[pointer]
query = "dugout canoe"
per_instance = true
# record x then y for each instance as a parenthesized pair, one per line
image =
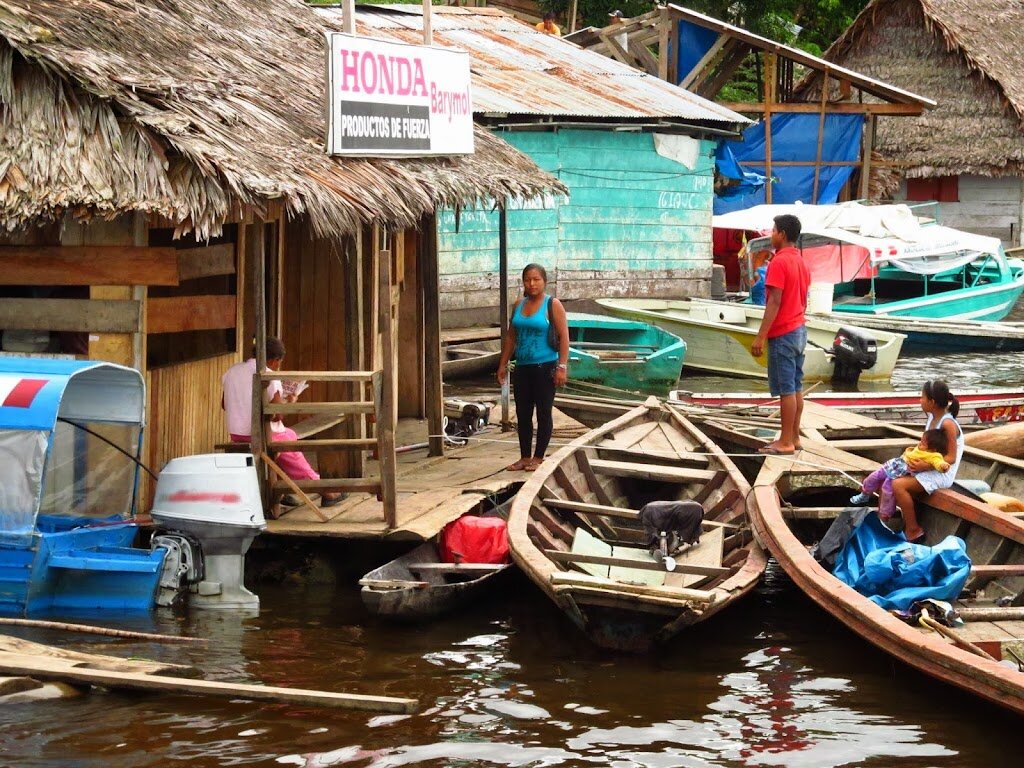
(470, 358)
(796, 500)
(574, 530)
(418, 586)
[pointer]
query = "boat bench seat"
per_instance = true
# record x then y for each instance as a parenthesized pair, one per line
(109, 559)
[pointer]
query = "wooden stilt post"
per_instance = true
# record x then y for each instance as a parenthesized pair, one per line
(388, 408)
(506, 415)
(258, 437)
(821, 137)
(769, 104)
(432, 335)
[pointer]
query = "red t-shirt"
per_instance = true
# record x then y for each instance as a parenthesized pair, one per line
(788, 272)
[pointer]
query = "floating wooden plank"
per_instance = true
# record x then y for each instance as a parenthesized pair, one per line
(22, 647)
(84, 315)
(176, 314)
(645, 565)
(54, 669)
(206, 262)
(678, 593)
(88, 265)
(651, 471)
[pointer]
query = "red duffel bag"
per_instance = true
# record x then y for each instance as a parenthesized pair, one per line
(474, 540)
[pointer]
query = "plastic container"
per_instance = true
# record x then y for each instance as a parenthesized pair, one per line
(819, 298)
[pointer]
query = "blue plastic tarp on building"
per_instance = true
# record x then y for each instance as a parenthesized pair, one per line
(694, 42)
(893, 573)
(794, 139)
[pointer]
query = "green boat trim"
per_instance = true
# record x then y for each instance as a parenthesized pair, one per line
(623, 354)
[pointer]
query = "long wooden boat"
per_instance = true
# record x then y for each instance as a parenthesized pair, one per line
(887, 260)
(574, 529)
(418, 585)
(791, 500)
(977, 406)
(470, 358)
(937, 336)
(623, 354)
(719, 334)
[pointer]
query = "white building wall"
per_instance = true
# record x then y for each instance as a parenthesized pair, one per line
(987, 207)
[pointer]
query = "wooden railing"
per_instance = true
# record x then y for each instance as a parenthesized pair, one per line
(331, 413)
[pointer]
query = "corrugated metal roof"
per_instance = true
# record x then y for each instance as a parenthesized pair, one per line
(518, 70)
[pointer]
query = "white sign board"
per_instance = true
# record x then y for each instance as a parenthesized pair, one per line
(389, 98)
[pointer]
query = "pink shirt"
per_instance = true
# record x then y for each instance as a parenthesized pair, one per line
(237, 383)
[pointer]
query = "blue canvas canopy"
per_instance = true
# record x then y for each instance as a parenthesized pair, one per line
(35, 393)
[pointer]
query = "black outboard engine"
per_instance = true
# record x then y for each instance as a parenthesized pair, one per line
(853, 350)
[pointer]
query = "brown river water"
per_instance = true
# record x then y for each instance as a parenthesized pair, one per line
(773, 681)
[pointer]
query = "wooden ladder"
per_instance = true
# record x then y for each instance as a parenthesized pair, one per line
(373, 402)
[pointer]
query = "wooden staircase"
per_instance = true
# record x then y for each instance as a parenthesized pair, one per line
(373, 402)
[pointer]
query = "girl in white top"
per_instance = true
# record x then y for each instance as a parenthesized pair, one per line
(942, 409)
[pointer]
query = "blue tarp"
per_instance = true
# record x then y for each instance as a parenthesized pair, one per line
(794, 138)
(694, 42)
(893, 573)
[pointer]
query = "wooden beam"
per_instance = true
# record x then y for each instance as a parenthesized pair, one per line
(386, 407)
(431, 292)
(696, 74)
(88, 265)
(769, 104)
(677, 593)
(867, 146)
(642, 565)
(284, 409)
(821, 139)
(832, 107)
(333, 376)
(651, 471)
(49, 669)
(176, 314)
(206, 262)
(664, 43)
(86, 315)
(284, 478)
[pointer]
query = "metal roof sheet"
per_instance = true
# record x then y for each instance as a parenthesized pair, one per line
(518, 70)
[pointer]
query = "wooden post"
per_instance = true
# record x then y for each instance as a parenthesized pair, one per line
(769, 102)
(387, 410)
(865, 168)
(506, 420)
(664, 30)
(428, 32)
(431, 288)
(348, 18)
(821, 136)
(258, 437)
(573, 10)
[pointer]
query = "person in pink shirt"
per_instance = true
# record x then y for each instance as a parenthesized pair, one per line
(784, 328)
(237, 404)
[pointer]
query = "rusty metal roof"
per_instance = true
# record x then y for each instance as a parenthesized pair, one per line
(518, 70)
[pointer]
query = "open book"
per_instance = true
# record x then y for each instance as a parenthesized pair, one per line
(293, 388)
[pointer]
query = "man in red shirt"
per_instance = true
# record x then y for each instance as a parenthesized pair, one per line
(785, 329)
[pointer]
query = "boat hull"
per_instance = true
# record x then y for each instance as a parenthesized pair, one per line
(942, 336)
(719, 336)
(78, 570)
(987, 533)
(573, 532)
(425, 596)
(623, 354)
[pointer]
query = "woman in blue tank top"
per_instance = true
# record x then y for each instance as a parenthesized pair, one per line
(540, 366)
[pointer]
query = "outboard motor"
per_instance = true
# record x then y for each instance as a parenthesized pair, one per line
(854, 350)
(464, 418)
(207, 511)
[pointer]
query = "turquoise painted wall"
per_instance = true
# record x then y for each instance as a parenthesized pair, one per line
(629, 208)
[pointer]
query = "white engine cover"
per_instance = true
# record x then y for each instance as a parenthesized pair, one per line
(214, 488)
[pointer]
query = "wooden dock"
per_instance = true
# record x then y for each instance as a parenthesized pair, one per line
(432, 491)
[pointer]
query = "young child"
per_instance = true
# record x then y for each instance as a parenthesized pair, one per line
(932, 449)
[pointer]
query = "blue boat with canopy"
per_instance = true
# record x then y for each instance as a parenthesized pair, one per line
(70, 438)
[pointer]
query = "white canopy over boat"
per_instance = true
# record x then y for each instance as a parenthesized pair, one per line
(851, 240)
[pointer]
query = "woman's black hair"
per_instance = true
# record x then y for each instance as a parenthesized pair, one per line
(539, 268)
(938, 392)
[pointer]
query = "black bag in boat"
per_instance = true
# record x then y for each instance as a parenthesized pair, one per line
(680, 517)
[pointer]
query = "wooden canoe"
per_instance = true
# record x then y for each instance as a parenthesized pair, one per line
(470, 358)
(977, 406)
(418, 586)
(574, 530)
(791, 500)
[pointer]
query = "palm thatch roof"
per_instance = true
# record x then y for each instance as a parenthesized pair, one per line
(965, 55)
(192, 109)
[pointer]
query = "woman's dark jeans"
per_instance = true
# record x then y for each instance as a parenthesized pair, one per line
(534, 389)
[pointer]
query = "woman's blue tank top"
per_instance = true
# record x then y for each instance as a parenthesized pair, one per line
(532, 347)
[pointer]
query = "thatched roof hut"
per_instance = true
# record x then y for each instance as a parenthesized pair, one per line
(192, 109)
(962, 53)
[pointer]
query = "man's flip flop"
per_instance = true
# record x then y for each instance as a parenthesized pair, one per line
(770, 451)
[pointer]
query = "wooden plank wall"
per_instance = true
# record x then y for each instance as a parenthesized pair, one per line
(184, 410)
(987, 206)
(635, 224)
